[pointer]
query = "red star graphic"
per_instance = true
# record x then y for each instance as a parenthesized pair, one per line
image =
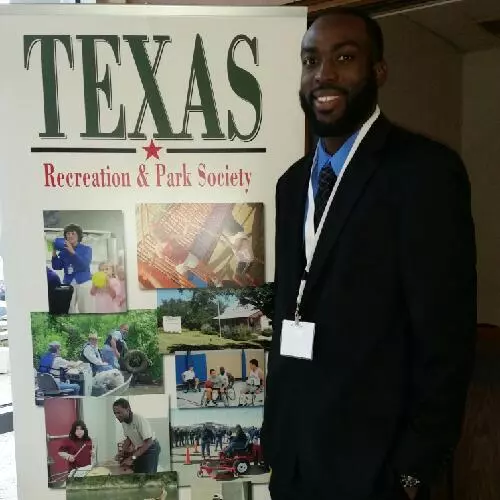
(152, 150)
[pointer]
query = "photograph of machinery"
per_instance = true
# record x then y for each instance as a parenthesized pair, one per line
(96, 355)
(217, 444)
(196, 245)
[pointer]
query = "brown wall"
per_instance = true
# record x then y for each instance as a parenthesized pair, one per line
(481, 153)
(424, 89)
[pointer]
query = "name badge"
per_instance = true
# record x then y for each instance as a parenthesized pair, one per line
(297, 339)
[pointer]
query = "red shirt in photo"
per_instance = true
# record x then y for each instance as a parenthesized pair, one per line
(80, 449)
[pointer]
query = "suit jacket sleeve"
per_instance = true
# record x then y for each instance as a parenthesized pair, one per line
(277, 252)
(276, 324)
(438, 269)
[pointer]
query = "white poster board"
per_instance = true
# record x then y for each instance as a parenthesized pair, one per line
(172, 324)
(105, 107)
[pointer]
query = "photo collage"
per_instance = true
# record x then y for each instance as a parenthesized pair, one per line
(141, 402)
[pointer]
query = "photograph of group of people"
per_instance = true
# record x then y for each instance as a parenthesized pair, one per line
(109, 436)
(224, 378)
(85, 261)
(96, 355)
(95, 359)
(210, 445)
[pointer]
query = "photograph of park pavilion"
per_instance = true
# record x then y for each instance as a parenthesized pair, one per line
(197, 245)
(215, 318)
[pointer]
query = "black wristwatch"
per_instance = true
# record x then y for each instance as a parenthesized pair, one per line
(408, 481)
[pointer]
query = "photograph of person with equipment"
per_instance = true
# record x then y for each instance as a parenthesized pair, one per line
(89, 437)
(85, 261)
(96, 355)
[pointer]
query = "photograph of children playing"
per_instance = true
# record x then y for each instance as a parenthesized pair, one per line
(105, 436)
(85, 261)
(218, 444)
(220, 378)
(96, 355)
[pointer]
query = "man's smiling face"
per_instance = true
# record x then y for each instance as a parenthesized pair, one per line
(339, 83)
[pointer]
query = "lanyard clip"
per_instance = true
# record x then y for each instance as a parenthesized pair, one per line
(297, 317)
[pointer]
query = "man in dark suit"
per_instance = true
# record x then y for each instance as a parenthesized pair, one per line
(388, 307)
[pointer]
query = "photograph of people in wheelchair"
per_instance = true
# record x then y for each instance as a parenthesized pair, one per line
(220, 378)
(220, 445)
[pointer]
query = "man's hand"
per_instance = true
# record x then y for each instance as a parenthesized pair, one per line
(69, 247)
(127, 462)
(71, 458)
(411, 492)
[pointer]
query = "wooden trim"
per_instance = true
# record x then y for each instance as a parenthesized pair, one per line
(328, 4)
(369, 6)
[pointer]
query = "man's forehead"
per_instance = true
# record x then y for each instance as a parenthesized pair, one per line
(335, 29)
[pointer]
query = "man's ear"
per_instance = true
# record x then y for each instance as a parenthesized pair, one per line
(381, 71)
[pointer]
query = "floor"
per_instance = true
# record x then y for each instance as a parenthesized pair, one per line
(8, 483)
(5, 391)
(193, 399)
(8, 480)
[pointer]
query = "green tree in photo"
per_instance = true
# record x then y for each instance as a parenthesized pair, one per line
(195, 312)
(262, 298)
(72, 332)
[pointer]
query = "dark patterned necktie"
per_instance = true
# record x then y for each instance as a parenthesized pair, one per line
(326, 182)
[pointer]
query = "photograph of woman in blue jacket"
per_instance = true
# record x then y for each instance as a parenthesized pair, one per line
(72, 256)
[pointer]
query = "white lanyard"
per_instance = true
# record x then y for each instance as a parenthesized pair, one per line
(311, 236)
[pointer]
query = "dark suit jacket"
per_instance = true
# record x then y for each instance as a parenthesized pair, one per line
(392, 291)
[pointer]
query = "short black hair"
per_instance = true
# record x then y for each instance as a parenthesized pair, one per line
(254, 362)
(372, 27)
(123, 403)
(74, 228)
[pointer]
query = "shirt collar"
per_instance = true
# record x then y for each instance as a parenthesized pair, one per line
(338, 159)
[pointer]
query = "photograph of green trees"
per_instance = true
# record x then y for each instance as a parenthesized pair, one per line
(214, 318)
(96, 355)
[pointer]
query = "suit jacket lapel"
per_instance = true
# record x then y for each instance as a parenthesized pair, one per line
(357, 174)
(296, 214)
(290, 245)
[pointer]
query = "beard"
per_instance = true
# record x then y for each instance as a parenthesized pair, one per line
(360, 103)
